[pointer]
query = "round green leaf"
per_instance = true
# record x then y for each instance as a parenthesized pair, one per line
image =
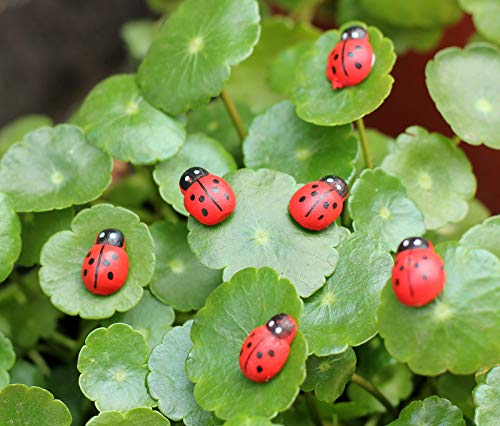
(261, 232)
(138, 36)
(63, 170)
(199, 150)
(487, 399)
(232, 311)
(342, 312)
(192, 55)
(436, 173)
(15, 130)
(280, 140)
(327, 376)
(485, 236)
(431, 339)
(458, 390)
(26, 373)
(63, 254)
(432, 411)
(140, 416)
(10, 236)
(116, 118)
(180, 280)
(7, 359)
(378, 206)
(243, 420)
(380, 145)
(168, 382)
(113, 368)
(464, 87)
(318, 103)
(485, 16)
(24, 406)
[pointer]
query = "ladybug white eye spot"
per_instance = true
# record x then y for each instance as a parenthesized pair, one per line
(405, 243)
(187, 178)
(417, 242)
(339, 187)
(270, 323)
(355, 34)
(101, 235)
(196, 172)
(278, 330)
(329, 180)
(112, 235)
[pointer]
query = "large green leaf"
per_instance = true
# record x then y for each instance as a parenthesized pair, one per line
(232, 311)
(10, 236)
(485, 236)
(261, 232)
(464, 87)
(140, 416)
(63, 254)
(7, 359)
(485, 15)
(15, 130)
(63, 170)
(487, 398)
(280, 140)
(242, 420)
(190, 60)
(342, 312)
(432, 411)
(436, 173)
(458, 390)
(431, 339)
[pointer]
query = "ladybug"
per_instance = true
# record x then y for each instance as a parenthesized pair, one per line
(318, 204)
(265, 351)
(208, 198)
(105, 267)
(418, 275)
(351, 60)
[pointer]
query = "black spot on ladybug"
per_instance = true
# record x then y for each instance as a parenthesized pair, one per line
(259, 369)
(401, 268)
(302, 199)
(226, 196)
(259, 355)
(91, 261)
(358, 47)
(270, 353)
(425, 258)
(315, 186)
(334, 206)
(442, 268)
(216, 181)
(106, 262)
(336, 56)
(350, 54)
(215, 189)
(88, 254)
(397, 282)
(416, 265)
(357, 65)
(314, 193)
(204, 212)
(84, 272)
(110, 275)
(326, 205)
(321, 217)
(424, 277)
(192, 197)
(201, 198)
(334, 70)
(249, 344)
(253, 334)
(114, 256)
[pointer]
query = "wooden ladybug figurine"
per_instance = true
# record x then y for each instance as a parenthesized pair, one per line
(318, 204)
(105, 267)
(265, 351)
(351, 60)
(208, 198)
(418, 275)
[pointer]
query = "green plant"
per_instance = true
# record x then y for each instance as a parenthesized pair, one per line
(225, 86)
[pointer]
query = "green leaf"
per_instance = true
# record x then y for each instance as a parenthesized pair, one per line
(486, 397)
(280, 140)
(116, 118)
(180, 280)
(458, 389)
(194, 51)
(327, 376)
(163, 7)
(485, 16)
(63, 170)
(318, 103)
(436, 173)
(242, 420)
(37, 228)
(26, 373)
(463, 86)
(380, 145)
(63, 254)
(431, 339)
(432, 411)
(140, 416)
(485, 236)
(138, 36)
(24, 406)
(10, 236)
(7, 359)
(15, 130)
(168, 382)
(261, 232)
(378, 206)
(113, 368)
(150, 317)
(199, 150)
(232, 311)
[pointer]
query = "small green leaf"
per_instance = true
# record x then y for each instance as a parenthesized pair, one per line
(436, 173)
(318, 103)
(63, 170)
(24, 406)
(261, 232)
(138, 36)
(463, 85)
(432, 411)
(242, 420)
(280, 140)
(7, 359)
(378, 206)
(486, 397)
(327, 376)
(140, 416)
(116, 118)
(380, 145)
(232, 311)
(485, 16)
(199, 150)
(26, 373)
(113, 368)
(63, 254)
(342, 312)
(15, 130)
(10, 236)
(180, 279)
(194, 51)
(431, 338)
(458, 390)
(485, 236)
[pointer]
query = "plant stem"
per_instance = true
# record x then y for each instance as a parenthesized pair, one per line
(39, 361)
(65, 341)
(233, 113)
(367, 386)
(364, 143)
(313, 411)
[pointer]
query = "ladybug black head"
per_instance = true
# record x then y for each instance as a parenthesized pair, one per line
(338, 184)
(413, 243)
(282, 326)
(190, 176)
(112, 237)
(354, 33)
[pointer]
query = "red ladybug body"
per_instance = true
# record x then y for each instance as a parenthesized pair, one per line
(351, 60)
(318, 204)
(105, 267)
(208, 198)
(265, 351)
(418, 275)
